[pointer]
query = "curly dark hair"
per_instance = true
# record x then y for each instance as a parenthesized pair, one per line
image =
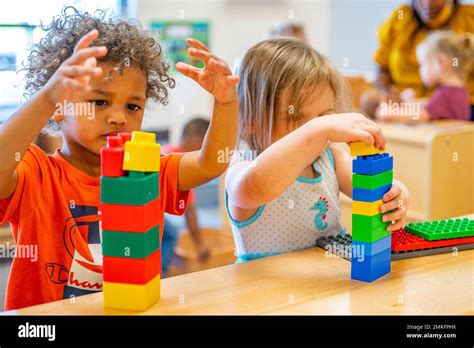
(126, 41)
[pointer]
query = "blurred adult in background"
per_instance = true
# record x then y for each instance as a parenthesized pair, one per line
(398, 67)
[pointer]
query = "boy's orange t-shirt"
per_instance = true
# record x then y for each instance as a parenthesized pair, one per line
(54, 215)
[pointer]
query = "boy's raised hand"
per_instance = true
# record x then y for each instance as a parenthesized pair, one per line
(216, 76)
(75, 73)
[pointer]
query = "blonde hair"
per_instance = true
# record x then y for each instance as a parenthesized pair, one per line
(266, 70)
(459, 49)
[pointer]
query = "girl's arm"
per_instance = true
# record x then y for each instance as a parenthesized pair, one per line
(21, 129)
(252, 184)
(199, 167)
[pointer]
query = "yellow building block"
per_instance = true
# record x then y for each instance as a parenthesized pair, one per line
(366, 208)
(131, 297)
(360, 148)
(142, 154)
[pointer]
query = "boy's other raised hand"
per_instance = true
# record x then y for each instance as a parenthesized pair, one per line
(216, 76)
(75, 73)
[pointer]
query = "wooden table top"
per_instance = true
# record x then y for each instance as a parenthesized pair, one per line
(304, 282)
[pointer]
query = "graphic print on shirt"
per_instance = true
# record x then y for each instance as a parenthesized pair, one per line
(321, 206)
(81, 236)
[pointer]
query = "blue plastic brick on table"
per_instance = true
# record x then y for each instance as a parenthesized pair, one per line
(365, 195)
(369, 268)
(371, 248)
(374, 164)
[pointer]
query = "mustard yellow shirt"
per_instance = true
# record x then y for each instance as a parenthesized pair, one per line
(398, 37)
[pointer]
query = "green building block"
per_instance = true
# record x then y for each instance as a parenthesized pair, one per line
(138, 188)
(369, 228)
(372, 181)
(444, 229)
(130, 244)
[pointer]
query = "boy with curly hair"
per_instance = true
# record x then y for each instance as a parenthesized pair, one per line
(53, 202)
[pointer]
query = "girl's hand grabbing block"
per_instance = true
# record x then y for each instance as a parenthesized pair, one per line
(364, 135)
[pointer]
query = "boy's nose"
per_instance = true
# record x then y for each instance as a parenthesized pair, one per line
(117, 118)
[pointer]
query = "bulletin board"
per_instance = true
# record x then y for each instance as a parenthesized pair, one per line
(172, 37)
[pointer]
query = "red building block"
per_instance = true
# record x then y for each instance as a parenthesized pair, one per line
(132, 218)
(131, 271)
(405, 241)
(125, 136)
(111, 157)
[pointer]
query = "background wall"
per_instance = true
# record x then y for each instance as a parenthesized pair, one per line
(345, 30)
(235, 25)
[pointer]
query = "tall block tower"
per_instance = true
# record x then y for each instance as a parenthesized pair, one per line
(371, 243)
(131, 219)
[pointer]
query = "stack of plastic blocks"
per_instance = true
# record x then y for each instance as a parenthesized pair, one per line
(129, 191)
(371, 243)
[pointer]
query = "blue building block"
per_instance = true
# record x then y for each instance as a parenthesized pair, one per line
(369, 268)
(370, 248)
(365, 195)
(374, 164)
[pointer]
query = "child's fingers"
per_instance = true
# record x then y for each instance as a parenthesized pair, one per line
(86, 40)
(188, 70)
(397, 225)
(218, 67)
(203, 55)
(362, 135)
(91, 62)
(79, 70)
(395, 214)
(81, 56)
(197, 44)
(393, 203)
(376, 132)
(233, 79)
(394, 191)
(76, 85)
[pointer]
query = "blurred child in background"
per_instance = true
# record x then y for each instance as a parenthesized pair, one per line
(191, 140)
(446, 62)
